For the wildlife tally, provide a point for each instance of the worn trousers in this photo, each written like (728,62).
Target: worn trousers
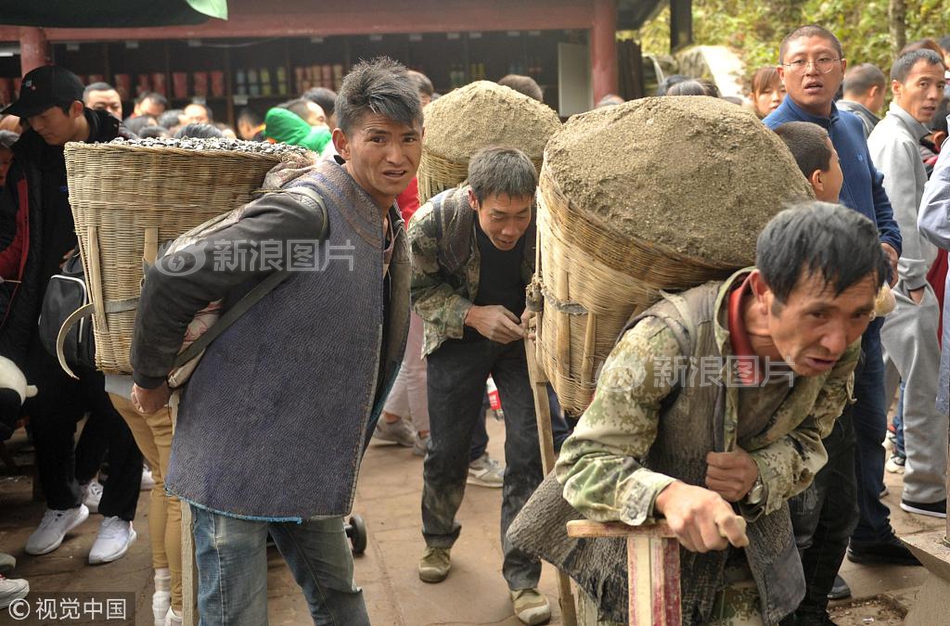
(909,339)
(456,379)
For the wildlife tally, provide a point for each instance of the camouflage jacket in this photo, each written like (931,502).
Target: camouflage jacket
(446,264)
(604,464)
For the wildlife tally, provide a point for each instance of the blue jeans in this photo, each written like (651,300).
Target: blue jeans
(231,555)
(870,426)
(899,424)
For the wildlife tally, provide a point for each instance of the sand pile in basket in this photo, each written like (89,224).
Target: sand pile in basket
(697,174)
(484,114)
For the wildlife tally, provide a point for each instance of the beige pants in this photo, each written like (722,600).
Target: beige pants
(153,435)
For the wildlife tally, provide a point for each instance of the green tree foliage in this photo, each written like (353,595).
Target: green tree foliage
(755,28)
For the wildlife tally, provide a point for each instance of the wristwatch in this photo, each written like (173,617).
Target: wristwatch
(757,494)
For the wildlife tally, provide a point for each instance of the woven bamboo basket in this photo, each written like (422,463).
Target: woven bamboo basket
(592,281)
(436,174)
(125,201)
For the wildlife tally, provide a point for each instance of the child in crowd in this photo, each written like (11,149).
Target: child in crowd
(815,156)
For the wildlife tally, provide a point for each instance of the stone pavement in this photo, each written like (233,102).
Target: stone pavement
(388,498)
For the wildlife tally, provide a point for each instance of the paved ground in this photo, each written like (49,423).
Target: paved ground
(388,498)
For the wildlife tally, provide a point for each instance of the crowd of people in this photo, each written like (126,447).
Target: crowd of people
(434,305)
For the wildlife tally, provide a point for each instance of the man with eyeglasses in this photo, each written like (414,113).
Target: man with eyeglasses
(812,66)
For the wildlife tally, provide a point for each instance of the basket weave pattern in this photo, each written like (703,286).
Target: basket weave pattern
(593,281)
(123,196)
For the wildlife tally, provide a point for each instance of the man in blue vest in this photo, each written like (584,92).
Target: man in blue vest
(272,424)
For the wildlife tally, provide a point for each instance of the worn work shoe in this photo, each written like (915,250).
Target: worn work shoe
(486,472)
(53,528)
(933,509)
(7,563)
(115,537)
(531,607)
(840,589)
(890,552)
(91,495)
(11,590)
(895,464)
(434,565)
(396,432)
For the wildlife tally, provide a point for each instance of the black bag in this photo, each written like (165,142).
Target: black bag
(65,293)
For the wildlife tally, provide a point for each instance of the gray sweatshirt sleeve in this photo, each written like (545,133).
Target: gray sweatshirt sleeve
(169,301)
(933,220)
(900,162)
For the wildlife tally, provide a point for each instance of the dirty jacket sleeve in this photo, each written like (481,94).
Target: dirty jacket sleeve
(169,301)
(598,464)
(789,464)
(434,299)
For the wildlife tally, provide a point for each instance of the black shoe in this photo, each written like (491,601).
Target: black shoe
(840,589)
(933,509)
(890,552)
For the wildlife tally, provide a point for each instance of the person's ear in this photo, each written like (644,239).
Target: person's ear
(896,88)
(341,143)
(939,137)
(760,290)
(472,199)
(817,182)
(76,109)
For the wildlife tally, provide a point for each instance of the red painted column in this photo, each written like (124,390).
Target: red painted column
(34,49)
(603,49)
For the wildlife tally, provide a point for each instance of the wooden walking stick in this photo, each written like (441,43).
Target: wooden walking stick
(539,389)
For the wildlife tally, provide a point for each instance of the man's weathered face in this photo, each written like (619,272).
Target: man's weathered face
(382,155)
(815,74)
(55,126)
(105,101)
(503,218)
(922,91)
(814,327)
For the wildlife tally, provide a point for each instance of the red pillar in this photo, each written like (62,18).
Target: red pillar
(603,49)
(34,49)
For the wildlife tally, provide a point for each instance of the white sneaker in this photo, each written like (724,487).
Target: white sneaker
(148,481)
(13,589)
(115,537)
(91,495)
(486,472)
(172,619)
(53,528)
(161,604)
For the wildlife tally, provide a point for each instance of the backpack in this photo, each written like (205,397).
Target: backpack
(65,293)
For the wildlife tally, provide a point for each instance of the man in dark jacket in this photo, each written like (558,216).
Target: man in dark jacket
(38,236)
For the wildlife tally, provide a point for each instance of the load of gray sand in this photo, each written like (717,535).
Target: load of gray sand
(700,175)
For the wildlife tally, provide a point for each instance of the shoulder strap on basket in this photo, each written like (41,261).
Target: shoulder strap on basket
(83,312)
(255,295)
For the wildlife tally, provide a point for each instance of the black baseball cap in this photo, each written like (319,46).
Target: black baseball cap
(45,87)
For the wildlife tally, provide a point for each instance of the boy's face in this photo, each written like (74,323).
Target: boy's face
(831,179)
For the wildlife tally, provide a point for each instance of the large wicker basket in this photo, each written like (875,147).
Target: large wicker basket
(125,201)
(592,281)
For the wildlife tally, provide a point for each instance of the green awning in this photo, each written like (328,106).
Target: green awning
(110,13)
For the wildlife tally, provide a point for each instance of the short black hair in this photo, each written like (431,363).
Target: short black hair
(694,87)
(204,106)
(668,82)
(155,97)
(198,131)
(524,85)
(170,118)
(859,79)
(297,106)
(905,63)
(422,82)
(96,87)
(251,116)
(153,132)
(810,30)
(818,238)
(326,98)
(808,143)
(379,86)
(498,170)
(136,124)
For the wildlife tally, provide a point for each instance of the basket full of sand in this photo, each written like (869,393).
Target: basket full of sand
(656,194)
(476,116)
